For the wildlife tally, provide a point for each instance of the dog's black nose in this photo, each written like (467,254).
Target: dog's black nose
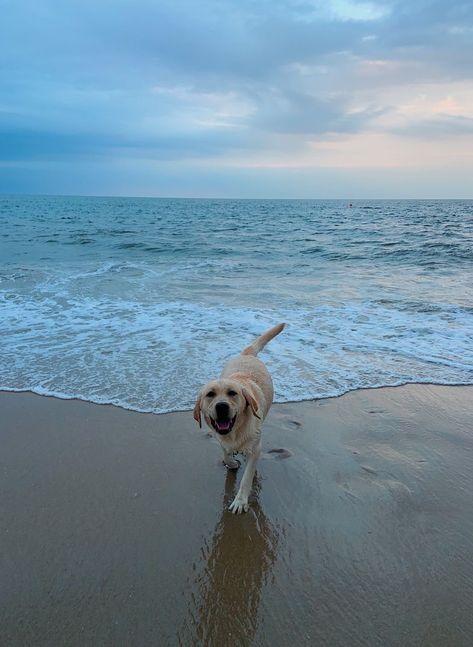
(222,409)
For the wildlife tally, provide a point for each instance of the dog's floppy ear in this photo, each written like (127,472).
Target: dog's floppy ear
(251,402)
(197,407)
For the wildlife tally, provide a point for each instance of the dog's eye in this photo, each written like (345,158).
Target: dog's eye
(231,393)
(210,394)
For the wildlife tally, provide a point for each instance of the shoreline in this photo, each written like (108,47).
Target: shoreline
(75,398)
(115,527)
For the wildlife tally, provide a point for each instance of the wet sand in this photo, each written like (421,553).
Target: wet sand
(115,529)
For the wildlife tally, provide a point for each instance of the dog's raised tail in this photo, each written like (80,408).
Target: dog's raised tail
(261,341)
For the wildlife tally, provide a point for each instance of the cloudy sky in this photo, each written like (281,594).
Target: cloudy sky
(237,98)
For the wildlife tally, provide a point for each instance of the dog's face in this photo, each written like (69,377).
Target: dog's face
(223,403)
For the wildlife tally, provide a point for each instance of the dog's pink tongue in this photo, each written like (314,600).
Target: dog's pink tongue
(223,424)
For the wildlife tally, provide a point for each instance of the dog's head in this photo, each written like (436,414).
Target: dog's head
(223,403)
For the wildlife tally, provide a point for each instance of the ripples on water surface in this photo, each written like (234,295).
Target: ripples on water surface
(139,301)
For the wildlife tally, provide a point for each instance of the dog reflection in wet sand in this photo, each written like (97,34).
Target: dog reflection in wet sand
(234,407)
(228,577)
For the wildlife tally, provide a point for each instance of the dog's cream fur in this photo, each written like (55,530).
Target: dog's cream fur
(245,389)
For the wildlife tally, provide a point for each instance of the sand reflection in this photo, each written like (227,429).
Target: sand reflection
(223,609)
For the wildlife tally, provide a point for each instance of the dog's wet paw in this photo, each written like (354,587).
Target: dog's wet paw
(233,465)
(238,505)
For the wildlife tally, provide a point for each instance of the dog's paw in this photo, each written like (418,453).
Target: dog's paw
(238,505)
(234,464)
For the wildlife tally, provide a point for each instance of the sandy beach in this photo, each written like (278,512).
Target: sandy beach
(115,529)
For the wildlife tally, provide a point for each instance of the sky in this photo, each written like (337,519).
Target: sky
(237,98)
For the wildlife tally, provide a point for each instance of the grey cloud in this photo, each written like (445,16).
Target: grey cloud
(77,75)
(437,35)
(213,43)
(292,112)
(30,145)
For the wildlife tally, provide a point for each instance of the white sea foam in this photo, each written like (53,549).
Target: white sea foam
(154,356)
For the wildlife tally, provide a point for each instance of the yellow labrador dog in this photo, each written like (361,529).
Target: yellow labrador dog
(235,405)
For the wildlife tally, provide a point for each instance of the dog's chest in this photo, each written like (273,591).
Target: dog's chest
(242,443)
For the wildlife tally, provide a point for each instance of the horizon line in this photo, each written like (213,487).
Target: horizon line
(177,197)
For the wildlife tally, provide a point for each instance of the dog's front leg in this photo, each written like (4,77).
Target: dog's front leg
(240,502)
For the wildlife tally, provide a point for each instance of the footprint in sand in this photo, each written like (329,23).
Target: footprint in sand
(277,454)
(369,469)
(290,422)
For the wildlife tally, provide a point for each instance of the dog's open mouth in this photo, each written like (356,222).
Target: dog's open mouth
(223,425)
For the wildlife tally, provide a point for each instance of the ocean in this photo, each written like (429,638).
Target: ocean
(139,301)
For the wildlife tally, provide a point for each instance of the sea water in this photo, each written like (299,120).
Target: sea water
(138,302)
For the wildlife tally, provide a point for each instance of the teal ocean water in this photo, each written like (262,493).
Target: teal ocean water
(137,302)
